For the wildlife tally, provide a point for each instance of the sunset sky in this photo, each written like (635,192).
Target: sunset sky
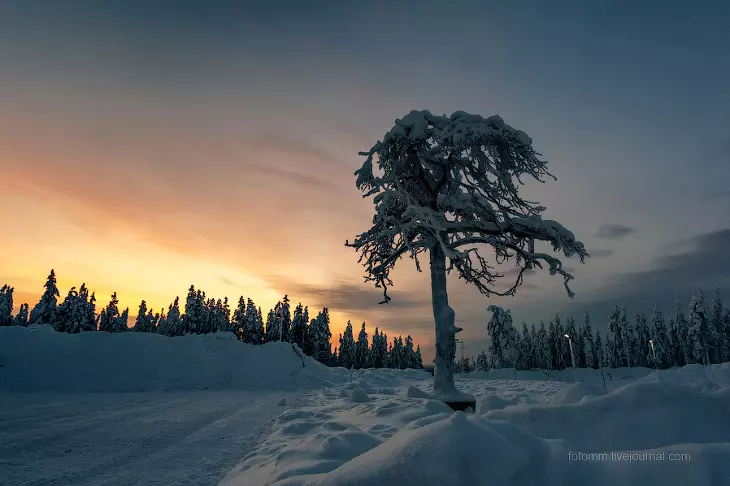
(149,145)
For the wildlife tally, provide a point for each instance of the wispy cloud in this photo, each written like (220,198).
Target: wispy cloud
(614,231)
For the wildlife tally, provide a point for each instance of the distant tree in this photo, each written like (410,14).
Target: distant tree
(362,353)
(347,347)
(283,314)
(298,326)
(44,311)
(643,336)
(419,358)
(321,334)
(545,359)
(599,356)
(660,338)
(411,361)
(21,319)
(482,363)
(121,323)
(716,331)
(238,322)
(109,315)
(145,321)
(589,358)
(498,329)
(699,331)
(448,186)
(272,326)
(6,305)
(682,333)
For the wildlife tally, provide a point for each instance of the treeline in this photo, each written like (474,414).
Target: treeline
(204,315)
(697,333)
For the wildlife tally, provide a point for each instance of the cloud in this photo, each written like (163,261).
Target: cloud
(600,253)
(349,297)
(614,231)
(294,177)
(703,263)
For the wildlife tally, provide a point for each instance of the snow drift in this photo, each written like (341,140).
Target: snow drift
(39,359)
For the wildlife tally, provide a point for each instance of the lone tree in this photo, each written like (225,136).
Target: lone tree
(448,185)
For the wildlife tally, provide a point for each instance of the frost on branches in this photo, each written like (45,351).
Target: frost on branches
(448,186)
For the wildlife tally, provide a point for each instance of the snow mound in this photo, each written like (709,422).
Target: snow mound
(575,393)
(438,454)
(492,402)
(637,416)
(38,358)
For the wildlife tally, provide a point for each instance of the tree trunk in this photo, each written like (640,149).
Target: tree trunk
(444,319)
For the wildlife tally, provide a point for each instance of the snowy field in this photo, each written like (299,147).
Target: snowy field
(140,408)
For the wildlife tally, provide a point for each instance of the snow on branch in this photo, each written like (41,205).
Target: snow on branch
(453,181)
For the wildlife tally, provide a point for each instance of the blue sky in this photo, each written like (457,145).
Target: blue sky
(229,119)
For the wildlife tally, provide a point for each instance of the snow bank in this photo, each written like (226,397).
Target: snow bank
(39,359)
(646,432)
(637,416)
(575,393)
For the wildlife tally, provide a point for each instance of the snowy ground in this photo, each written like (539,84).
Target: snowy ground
(204,409)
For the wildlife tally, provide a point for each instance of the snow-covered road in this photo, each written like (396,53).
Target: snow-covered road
(186,437)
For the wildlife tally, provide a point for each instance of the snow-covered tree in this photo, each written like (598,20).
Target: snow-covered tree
(482,363)
(660,338)
(109,315)
(320,334)
(347,347)
(172,325)
(409,353)
(590,358)
(238,321)
(599,360)
(379,350)
(362,353)
(571,331)
(6,305)
(21,318)
(726,336)
(622,338)
(284,318)
(145,321)
(121,323)
(44,311)
(419,358)
(76,312)
(545,358)
(253,329)
(448,186)
(682,334)
(699,330)
(298,326)
(499,331)
(642,346)
(525,354)
(272,327)
(716,331)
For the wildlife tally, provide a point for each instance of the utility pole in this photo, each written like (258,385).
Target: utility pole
(572,357)
(653,354)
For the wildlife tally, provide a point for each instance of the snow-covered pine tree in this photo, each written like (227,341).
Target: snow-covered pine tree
(88,309)
(642,346)
(482,363)
(611,353)
(284,318)
(121,323)
(253,328)
(545,359)
(726,336)
(589,344)
(6,305)
(238,321)
(716,325)
(62,322)
(376,359)
(44,311)
(298,326)
(174,320)
(562,347)
(21,318)
(224,316)
(698,334)
(419,358)
(361,349)
(272,326)
(321,334)
(682,332)
(498,331)
(534,348)
(447,186)
(409,353)
(141,322)
(109,314)
(598,358)
(347,347)
(618,325)
(660,338)
(525,357)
